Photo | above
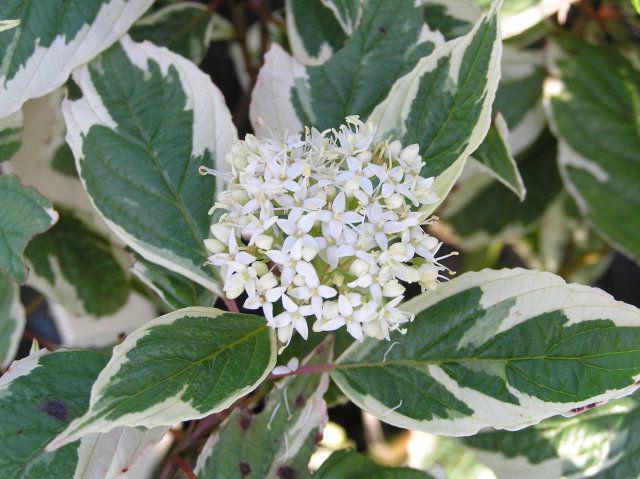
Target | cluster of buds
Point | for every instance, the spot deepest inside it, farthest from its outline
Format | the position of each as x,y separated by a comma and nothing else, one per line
325,227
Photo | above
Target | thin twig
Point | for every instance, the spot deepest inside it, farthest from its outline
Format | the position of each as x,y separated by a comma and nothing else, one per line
182,464
231,305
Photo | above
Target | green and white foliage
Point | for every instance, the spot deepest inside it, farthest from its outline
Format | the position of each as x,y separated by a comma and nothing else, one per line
521,15
594,108
147,120
187,28
174,290
75,266
39,395
519,96
451,18
313,31
444,103
600,443
390,38
351,465
12,320
472,209
278,441
504,349
10,135
24,214
52,39
347,13
183,365
494,156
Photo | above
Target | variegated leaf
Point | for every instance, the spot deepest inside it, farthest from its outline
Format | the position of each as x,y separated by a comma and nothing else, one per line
39,395
504,349
183,365
76,267
278,441
599,137
444,103
24,214
600,443
147,120
351,465
452,18
187,28
53,38
520,15
389,40
494,155
10,135
471,208
12,320
347,13
174,290
313,31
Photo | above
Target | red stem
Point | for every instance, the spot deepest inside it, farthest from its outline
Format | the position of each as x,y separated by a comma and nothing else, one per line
182,464
231,304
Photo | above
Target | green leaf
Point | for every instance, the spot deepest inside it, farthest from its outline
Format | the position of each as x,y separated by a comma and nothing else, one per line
389,40
313,31
63,161
471,209
148,119
636,5
39,395
519,96
594,109
187,28
23,215
351,465
600,443
183,365
75,266
494,155
278,441
10,135
174,290
504,349
53,38
452,18
347,13
12,320
444,103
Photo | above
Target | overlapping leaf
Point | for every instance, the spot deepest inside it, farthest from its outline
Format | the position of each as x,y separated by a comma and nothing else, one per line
76,267
53,38
186,28
599,443
444,103
505,349
594,109
391,37
24,214
482,211
39,395
147,120
184,365
278,441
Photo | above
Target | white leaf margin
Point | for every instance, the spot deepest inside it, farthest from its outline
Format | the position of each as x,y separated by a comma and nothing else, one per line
15,314
536,293
49,67
397,106
169,411
209,113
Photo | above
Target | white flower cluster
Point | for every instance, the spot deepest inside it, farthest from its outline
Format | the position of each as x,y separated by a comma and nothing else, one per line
326,227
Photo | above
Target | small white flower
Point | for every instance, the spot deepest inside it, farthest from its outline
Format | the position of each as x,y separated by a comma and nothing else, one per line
327,225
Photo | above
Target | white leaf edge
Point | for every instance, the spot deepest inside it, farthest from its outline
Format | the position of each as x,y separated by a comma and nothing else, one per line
18,316
80,115
397,105
49,67
536,293
165,413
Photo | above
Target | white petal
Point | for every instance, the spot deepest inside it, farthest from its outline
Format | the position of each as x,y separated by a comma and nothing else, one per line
355,330
288,304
